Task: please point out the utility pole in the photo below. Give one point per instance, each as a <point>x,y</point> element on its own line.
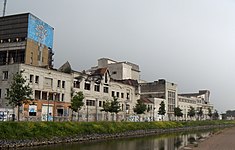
<point>4,7</point>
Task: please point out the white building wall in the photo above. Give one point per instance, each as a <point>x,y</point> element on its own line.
<point>30,73</point>
<point>126,95</point>
<point>5,84</point>
<point>127,72</point>
<point>185,102</point>
<point>116,71</point>
<point>44,74</point>
<point>120,70</point>
<point>157,102</point>
<point>135,75</point>
<point>171,99</point>
<point>104,62</point>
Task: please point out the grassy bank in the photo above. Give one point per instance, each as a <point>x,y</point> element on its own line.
<point>42,130</point>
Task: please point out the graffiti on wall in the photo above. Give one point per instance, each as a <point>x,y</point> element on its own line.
<point>40,31</point>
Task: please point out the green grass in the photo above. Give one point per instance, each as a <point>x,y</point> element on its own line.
<point>42,130</point>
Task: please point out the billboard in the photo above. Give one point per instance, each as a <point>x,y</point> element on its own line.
<point>40,31</point>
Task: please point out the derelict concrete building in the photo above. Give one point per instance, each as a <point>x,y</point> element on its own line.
<point>26,39</point>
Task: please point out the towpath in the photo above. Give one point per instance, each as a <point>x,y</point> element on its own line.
<point>220,141</point>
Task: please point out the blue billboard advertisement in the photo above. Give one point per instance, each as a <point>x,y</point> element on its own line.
<point>40,31</point>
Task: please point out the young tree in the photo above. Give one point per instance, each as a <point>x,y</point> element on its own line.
<point>178,112</point>
<point>216,115</point>
<point>210,113</point>
<point>106,108</point>
<point>77,103</point>
<point>200,113</point>
<point>162,109</point>
<point>191,112</point>
<point>19,93</point>
<point>140,107</point>
<point>115,107</point>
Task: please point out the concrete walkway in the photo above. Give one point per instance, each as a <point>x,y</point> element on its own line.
<point>221,141</point>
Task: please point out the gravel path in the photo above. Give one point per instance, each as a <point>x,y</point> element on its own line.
<point>221,141</point>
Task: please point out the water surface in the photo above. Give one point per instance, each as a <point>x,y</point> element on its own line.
<point>156,142</point>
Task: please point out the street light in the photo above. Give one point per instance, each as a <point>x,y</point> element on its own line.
<point>86,111</point>
<point>153,113</point>
<point>96,109</point>
<point>54,97</point>
<point>48,107</point>
<point>126,110</point>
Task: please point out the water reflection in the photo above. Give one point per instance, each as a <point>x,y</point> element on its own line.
<point>178,142</point>
<point>159,142</point>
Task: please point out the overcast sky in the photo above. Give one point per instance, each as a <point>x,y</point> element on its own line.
<point>188,42</point>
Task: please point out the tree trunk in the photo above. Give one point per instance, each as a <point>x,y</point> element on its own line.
<point>107,117</point>
<point>18,115</point>
<point>78,115</point>
<point>72,116</point>
<point>116,117</point>
<point>112,116</point>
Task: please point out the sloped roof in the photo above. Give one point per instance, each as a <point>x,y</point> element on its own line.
<point>128,82</point>
<point>146,100</point>
<point>100,71</point>
<point>66,67</point>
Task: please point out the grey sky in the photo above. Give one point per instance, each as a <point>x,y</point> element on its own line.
<point>189,42</point>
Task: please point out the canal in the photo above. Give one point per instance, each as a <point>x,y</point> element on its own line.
<point>158,142</point>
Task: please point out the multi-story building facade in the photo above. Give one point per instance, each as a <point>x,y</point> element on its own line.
<point>184,103</point>
<point>98,87</point>
<point>162,89</point>
<point>51,91</point>
<point>26,44</point>
<point>26,39</point>
<point>153,105</point>
<point>197,101</point>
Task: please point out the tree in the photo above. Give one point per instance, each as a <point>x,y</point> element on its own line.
<point>162,110</point>
<point>216,115</point>
<point>115,107</point>
<point>77,103</point>
<point>106,108</point>
<point>18,93</point>
<point>210,113</point>
<point>191,112</point>
<point>140,107</point>
<point>230,113</point>
<point>200,113</point>
<point>178,112</point>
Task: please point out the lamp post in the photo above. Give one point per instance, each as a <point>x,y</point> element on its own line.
<point>54,97</point>
<point>96,109</point>
<point>48,107</point>
<point>153,113</point>
<point>126,110</point>
<point>87,112</point>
